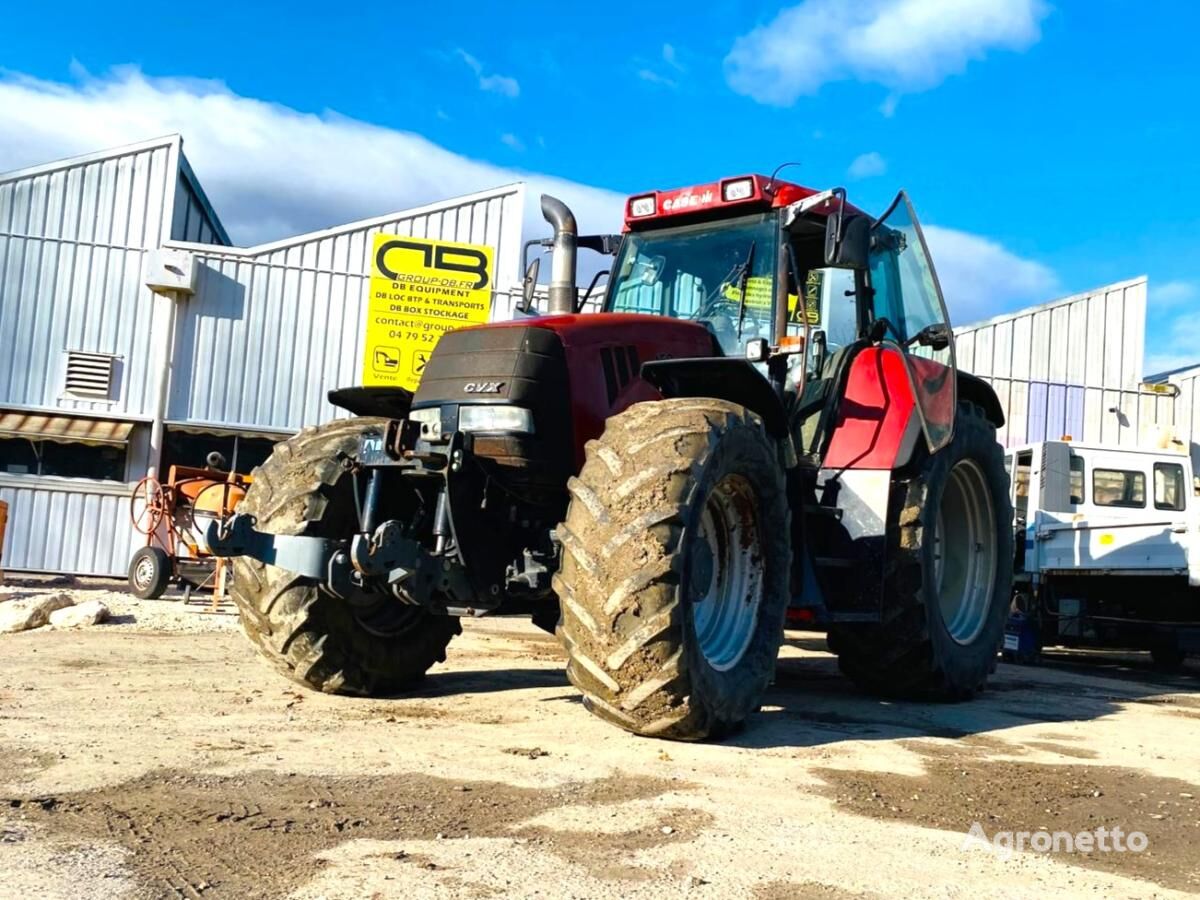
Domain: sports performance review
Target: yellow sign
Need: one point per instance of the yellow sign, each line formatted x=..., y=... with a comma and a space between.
x=419, y=290
x=758, y=297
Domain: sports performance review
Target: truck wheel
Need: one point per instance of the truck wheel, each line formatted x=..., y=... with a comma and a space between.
x=949, y=574
x=370, y=644
x=674, y=581
x=149, y=573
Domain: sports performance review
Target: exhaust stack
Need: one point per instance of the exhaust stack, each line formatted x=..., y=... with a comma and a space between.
x=563, y=292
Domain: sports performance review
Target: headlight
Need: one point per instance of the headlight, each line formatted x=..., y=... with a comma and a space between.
x=641, y=206
x=495, y=418
x=740, y=189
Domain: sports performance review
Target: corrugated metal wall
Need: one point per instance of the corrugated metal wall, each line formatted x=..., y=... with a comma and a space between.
x=72, y=242
x=193, y=218
x=67, y=525
x=272, y=328
x=1072, y=366
x=73, y=239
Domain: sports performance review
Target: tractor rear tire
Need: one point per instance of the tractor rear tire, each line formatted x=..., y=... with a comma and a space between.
x=676, y=557
x=943, y=618
x=325, y=642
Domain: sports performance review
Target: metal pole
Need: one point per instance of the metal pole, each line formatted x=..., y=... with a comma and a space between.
x=157, y=427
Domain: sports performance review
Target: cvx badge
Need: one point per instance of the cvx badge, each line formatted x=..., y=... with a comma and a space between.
x=483, y=387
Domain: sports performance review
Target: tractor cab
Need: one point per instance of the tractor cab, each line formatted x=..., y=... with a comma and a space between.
x=799, y=283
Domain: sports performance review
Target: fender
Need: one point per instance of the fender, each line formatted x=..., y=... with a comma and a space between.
x=975, y=390
x=735, y=380
x=383, y=401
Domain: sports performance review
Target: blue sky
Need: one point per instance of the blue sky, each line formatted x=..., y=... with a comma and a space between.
x=1052, y=147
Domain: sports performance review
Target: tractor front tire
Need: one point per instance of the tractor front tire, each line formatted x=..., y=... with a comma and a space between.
x=676, y=557
x=948, y=580
x=371, y=646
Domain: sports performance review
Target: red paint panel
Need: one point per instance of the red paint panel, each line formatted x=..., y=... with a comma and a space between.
x=874, y=413
x=585, y=336
x=765, y=193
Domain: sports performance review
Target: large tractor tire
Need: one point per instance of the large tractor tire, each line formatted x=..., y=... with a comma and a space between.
x=674, y=580
x=948, y=582
x=368, y=645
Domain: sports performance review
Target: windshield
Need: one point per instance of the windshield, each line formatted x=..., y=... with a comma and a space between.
x=697, y=272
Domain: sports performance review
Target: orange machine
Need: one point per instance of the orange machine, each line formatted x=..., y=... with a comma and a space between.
x=173, y=516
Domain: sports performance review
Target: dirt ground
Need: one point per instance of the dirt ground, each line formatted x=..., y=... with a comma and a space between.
x=158, y=756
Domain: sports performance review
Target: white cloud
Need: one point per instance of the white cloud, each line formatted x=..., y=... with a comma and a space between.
x=671, y=58
x=655, y=78
x=500, y=84
x=981, y=279
x=508, y=139
x=269, y=170
x=902, y=44
x=667, y=73
x=1172, y=345
x=273, y=172
x=496, y=84
x=1172, y=293
x=868, y=165
x=887, y=108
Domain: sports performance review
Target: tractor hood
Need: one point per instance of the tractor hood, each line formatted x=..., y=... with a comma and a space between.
x=571, y=371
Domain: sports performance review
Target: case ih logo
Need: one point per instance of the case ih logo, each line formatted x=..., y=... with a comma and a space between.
x=687, y=200
x=483, y=387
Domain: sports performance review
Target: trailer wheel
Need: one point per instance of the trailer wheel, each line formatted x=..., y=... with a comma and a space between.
x=674, y=580
x=367, y=645
x=149, y=573
x=949, y=574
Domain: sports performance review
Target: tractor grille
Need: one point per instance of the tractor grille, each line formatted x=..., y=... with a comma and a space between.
x=621, y=365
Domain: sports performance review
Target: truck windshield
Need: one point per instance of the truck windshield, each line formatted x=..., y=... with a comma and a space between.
x=696, y=272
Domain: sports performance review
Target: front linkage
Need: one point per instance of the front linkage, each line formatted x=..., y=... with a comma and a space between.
x=388, y=555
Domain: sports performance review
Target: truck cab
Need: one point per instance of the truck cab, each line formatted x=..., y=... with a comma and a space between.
x=1107, y=548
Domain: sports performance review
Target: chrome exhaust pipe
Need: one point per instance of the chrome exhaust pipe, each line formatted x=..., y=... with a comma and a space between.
x=563, y=294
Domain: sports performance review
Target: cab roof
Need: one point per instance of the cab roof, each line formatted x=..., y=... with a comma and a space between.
x=741, y=193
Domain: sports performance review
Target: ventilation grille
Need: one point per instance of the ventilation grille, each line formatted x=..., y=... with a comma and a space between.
x=89, y=374
x=621, y=365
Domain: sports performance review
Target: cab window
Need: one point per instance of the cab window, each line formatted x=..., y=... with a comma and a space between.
x=721, y=274
x=1168, y=486
x=1119, y=487
x=1076, y=479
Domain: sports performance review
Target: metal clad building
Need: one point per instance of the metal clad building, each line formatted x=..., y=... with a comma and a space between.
x=272, y=328
x=269, y=330
x=1061, y=367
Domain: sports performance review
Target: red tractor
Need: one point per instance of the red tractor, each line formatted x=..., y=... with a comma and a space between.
x=765, y=414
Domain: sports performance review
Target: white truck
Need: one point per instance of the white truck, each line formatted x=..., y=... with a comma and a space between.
x=1107, y=550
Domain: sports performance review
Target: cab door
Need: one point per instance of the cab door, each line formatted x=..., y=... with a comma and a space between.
x=907, y=294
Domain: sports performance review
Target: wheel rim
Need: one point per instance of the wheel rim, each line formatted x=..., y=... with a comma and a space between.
x=726, y=574
x=143, y=572
x=965, y=552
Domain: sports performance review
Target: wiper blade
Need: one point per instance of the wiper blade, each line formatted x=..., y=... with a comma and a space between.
x=743, y=281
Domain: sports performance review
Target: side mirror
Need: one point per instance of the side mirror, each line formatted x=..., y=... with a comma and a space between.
x=936, y=336
x=848, y=241
x=529, y=284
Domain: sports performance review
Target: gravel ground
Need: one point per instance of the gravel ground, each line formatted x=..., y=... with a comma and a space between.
x=158, y=756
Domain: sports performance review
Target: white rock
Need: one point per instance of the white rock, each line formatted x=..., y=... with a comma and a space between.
x=89, y=612
x=30, y=612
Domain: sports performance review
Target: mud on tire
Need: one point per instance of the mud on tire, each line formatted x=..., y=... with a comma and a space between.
x=319, y=640
x=638, y=559
x=912, y=652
